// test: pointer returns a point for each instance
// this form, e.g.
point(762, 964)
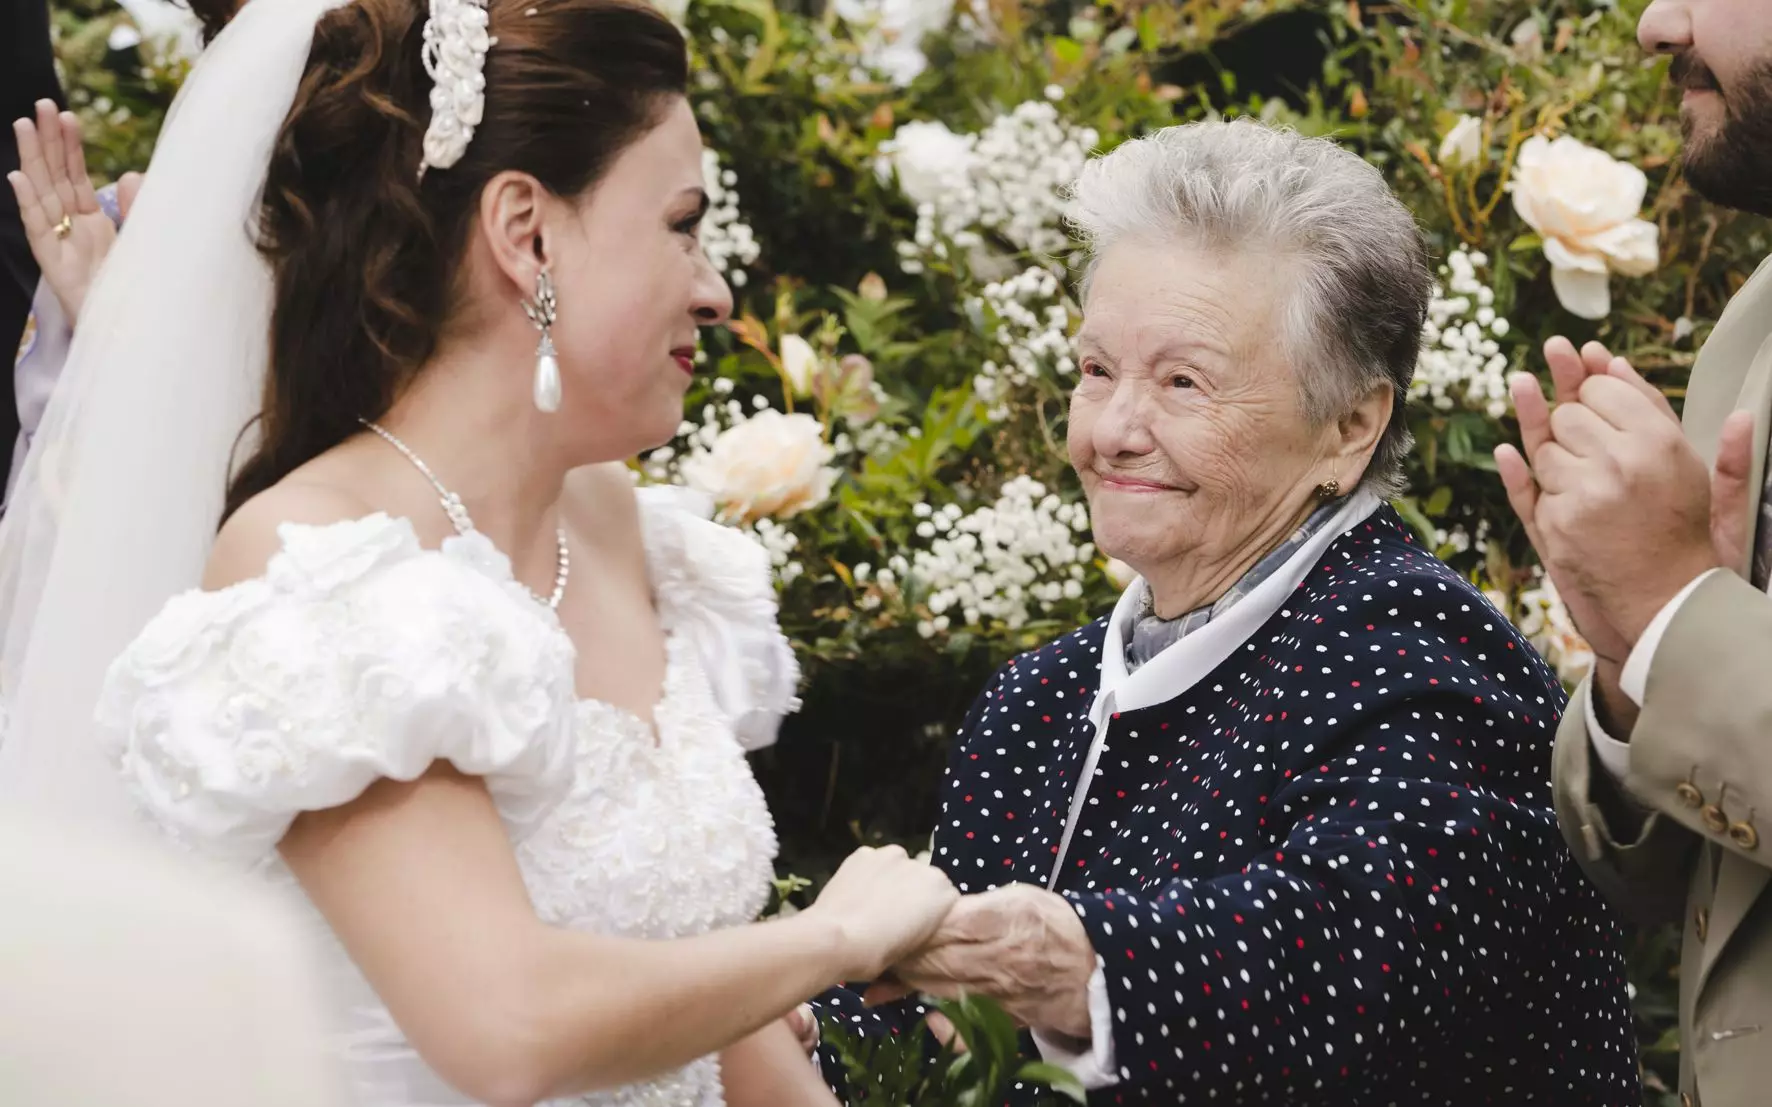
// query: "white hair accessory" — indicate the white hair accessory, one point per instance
point(456, 41)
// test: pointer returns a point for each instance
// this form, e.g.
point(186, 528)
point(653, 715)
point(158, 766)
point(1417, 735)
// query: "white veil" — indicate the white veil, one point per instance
point(119, 498)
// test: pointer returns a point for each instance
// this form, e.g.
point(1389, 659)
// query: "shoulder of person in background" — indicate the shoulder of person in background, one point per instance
point(136, 975)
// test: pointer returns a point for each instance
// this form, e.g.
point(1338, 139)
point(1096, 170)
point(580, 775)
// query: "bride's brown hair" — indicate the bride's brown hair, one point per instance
point(364, 257)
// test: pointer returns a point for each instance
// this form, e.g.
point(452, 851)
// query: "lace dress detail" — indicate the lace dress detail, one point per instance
point(360, 655)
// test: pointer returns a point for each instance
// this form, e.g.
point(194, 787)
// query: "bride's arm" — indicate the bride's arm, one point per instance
point(420, 884)
point(771, 1069)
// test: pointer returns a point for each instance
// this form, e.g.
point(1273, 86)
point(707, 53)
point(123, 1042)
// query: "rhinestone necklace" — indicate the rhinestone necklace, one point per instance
point(464, 524)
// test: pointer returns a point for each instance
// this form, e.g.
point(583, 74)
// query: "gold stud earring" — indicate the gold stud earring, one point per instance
point(1329, 489)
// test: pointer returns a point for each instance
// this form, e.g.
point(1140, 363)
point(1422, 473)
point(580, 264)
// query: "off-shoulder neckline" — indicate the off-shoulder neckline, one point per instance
point(477, 552)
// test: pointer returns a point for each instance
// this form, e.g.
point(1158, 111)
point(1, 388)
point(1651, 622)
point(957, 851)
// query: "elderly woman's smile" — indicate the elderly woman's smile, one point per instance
point(1189, 427)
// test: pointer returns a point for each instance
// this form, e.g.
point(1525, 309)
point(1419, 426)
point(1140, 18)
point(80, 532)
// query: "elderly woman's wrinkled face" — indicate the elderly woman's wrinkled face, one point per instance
point(1186, 426)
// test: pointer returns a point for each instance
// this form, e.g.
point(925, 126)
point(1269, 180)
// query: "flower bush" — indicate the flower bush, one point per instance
point(886, 410)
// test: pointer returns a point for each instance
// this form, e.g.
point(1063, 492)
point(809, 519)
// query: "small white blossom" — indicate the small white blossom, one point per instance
point(1462, 363)
point(1029, 322)
point(1008, 181)
point(725, 238)
point(1004, 563)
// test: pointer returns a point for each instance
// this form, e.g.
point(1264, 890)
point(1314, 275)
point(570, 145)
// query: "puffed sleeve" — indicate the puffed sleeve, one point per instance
point(357, 656)
point(717, 583)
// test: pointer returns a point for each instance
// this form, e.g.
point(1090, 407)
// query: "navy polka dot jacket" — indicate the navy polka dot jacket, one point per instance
point(1329, 872)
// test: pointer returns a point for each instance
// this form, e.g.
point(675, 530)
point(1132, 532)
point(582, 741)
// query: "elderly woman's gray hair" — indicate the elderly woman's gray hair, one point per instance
point(1354, 319)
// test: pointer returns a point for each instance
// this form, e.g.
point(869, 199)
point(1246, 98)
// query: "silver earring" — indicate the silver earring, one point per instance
point(547, 366)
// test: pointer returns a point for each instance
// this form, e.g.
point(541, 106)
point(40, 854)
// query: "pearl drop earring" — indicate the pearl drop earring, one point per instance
point(541, 312)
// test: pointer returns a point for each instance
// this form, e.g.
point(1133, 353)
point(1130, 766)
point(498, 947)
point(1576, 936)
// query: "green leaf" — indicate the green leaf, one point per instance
point(1525, 243)
point(1067, 50)
point(1411, 513)
point(1062, 1081)
point(1458, 442)
point(1438, 502)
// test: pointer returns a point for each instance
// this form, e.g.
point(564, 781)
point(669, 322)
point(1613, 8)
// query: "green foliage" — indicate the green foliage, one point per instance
point(898, 1070)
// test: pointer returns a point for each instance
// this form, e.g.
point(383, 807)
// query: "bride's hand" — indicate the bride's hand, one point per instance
point(885, 906)
point(52, 186)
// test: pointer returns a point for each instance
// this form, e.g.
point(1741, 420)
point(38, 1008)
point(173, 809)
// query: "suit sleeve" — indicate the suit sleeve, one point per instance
point(1640, 859)
point(1701, 753)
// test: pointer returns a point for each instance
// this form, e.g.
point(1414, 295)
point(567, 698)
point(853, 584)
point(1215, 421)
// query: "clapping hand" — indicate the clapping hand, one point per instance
point(69, 233)
point(1618, 504)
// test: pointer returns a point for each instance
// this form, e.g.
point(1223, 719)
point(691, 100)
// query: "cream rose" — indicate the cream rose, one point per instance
point(771, 465)
point(1463, 144)
point(1119, 574)
point(1585, 205)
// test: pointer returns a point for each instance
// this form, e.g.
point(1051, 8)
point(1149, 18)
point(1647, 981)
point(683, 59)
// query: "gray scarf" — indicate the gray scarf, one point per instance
point(1149, 635)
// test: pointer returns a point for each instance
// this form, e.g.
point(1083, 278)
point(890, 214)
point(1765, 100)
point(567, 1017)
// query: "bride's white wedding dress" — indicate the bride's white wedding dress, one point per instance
point(360, 655)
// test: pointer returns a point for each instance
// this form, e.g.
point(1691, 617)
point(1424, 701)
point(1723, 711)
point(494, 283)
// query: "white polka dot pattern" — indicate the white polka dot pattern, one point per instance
point(1329, 872)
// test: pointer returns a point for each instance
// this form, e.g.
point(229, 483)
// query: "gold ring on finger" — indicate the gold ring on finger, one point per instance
point(65, 227)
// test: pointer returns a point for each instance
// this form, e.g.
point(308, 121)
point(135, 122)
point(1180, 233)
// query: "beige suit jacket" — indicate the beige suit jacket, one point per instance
point(130, 979)
point(1701, 755)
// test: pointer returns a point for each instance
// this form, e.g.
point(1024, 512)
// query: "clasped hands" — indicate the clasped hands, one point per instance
point(1019, 945)
point(1619, 506)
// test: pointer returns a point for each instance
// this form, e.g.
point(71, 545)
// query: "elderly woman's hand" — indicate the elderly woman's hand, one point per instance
point(1019, 945)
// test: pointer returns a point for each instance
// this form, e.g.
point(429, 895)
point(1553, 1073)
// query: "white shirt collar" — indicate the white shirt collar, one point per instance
point(1176, 669)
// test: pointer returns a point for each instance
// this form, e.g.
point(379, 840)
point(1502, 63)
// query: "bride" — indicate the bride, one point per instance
point(446, 675)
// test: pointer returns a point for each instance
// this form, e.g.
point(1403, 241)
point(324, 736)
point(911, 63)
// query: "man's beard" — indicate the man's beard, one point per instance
point(1732, 165)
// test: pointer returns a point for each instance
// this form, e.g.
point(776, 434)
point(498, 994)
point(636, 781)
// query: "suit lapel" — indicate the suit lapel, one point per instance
point(1744, 341)
point(1756, 396)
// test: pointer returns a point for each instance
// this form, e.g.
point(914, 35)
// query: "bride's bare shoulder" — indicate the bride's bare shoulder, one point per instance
point(248, 540)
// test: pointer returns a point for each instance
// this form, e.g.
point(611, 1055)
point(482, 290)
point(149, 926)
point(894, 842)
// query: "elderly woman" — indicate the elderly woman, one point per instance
point(1278, 829)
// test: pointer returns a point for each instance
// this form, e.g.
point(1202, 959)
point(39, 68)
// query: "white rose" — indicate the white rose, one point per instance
point(892, 32)
point(800, 362)
point(1528, 39)
point(1463, 144)
point(1585, 205)
point(1119, 573)
point(929, 159)
point(771, 465)
point(170, 27)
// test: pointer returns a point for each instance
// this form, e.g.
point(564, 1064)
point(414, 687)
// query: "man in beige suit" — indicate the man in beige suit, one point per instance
point(1663, 763)
point(129, 978)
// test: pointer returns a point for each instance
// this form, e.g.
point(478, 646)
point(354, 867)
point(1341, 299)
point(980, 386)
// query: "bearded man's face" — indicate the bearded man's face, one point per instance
point(1722, 51)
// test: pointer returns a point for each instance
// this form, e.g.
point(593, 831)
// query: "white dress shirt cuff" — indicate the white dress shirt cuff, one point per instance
point(1633, 681)
point(1095, 1068)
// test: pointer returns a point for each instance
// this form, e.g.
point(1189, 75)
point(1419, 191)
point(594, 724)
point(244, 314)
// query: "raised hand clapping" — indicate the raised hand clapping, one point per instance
point(69, 232)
